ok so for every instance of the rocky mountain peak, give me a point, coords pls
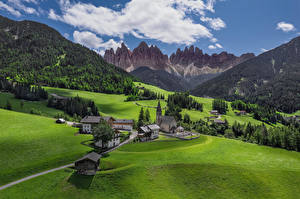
(179, 62)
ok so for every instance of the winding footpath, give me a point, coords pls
(132, 136)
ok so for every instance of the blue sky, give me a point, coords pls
(235, 26)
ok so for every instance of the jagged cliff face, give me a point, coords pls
(143, 55)
(192, 61)
(187, 63)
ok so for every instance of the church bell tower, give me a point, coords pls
(158, 113)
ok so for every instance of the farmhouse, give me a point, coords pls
(241, 113)
(167, 124)
(122, 124)
(214, 112)
(88, 122)
(115, 141)
(180, 129)
(58, 98)
(217, 121)
(88, 164)
(109, 120)
(148, 132)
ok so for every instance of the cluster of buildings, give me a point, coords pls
(166, 124)
(89, 122)
(89, 164)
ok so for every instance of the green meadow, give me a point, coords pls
(115, 105)
(208, 167)
(30, 144)
(36, 106)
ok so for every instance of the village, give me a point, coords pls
(110, 133)
(166, 125)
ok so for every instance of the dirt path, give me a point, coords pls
(132, 136)
(34, 176)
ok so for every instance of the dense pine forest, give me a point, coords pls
(23, 90)
(34, 53)
(75, 106)
(270, 79)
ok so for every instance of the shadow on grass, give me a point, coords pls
(80, 181)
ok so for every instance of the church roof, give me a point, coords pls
(167, 119)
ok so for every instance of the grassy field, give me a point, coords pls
(29, 144)
(40, 106)
(115, 105)
(208, 167)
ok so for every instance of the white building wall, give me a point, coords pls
(87, 128)
(123, 127)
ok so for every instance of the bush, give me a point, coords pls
(35, 111)
(229, 134)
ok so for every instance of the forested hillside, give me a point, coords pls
(270, 79)
(34, 53)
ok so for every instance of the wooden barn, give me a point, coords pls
(88, 164)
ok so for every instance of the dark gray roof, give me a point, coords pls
(107, 118)
(91, 119)
(123, 121)
(145, 129)
(167, 119)
(153, 127)
(58, 97)
(219, 121)
(91, 156)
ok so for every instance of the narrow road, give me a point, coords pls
(132, 136)
(34, 176)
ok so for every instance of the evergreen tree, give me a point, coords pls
(141, 118)
(8, 105)
(147, 116)
(186, 118)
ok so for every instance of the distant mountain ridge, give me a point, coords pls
(272, 78)
(188, 67)
(189, 62)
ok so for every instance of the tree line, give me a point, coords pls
(220, 105)
(265, 114)
(74, 106)
(145, 94)
(23, 91)
(144, 118)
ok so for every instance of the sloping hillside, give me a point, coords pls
(272, 78)
(35, 53)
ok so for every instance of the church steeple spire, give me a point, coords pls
(158, 113)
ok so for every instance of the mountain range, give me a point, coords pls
(188, 67)
(271, 79)
(34, 53)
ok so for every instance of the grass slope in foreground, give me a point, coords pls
(30, 144)
(208, 167)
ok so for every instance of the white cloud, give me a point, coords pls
(285, 27)
(164, 20)
(18, 4)
(91, 40)
(66, 35)
(212, 47)
(263, 50)
(219, 46)
(10, 9)
(54, 16)
(214, 23)
(32, 1)
(214, 40)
